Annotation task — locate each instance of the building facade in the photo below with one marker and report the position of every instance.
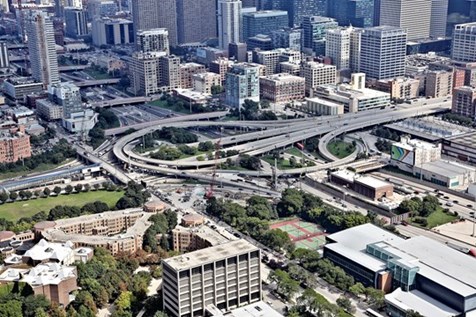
(414, 16)
(314, 30)
(229, 22)
(145, 73)
(263, 22)
(383, 50)
(76, 24)
(287, 38)
(464, 41)
(226, 276)
(14, 145)
(107, 31)
(358, 13)
(439, 83)
(242, 82)
(282, 87)
(42, 47)
(298, 9)
(464, 102)
(203, 82)
(338, 47)
(196, 20)
(153, 40)
(316, 74)
(439, 15)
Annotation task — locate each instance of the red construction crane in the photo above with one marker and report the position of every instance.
(209, 193)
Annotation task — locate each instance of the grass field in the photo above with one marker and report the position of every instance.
(340, 149)
(19, 209)
(282, 163)
(294, 151)
(438, 218)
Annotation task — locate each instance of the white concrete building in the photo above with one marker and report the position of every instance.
(317, 74)
(338, 46)
(414, 16)
(229, 22)
(464, 43)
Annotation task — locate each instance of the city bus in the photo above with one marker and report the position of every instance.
(372, 313)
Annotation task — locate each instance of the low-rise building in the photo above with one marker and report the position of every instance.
(45, 251)
(17, 88)
(14, 144)
(203, 82)
(461, 147)
(317, 74)
(401, 88)
(282, 87)
(109, 31)
(439, 83)
(464, 102)
(55, 281)
(80, 121)
(367, 186)
(116, 231)
(433, 276)
(322, 107)
(187, 71)
(355, 96)
(49, 110)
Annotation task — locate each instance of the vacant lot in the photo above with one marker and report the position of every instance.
(19, 209)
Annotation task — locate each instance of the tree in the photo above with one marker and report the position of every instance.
(160, 314)
(28, 194)
(96, 186)
(124, 300)
(11, 308)
(87, 187)
(292, 161)
(32, 303)
(4, 196)
(412, 313)
(78, 188)
(375, 297)
(345, 304)
(171, 218)
(291, 203)
(164, 242)
(13, 195)
(47, 192)
(68, 189)
(22, 194)
(285, 285)
(357, 289)
(57, 190)
(217, 89)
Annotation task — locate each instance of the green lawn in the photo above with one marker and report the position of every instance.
(340, 149)
(19, 209)
(294, 151)
(281, 163)
(96, 74)
(164, 105)
(438, 218)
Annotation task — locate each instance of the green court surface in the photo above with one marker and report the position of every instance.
(304, 234)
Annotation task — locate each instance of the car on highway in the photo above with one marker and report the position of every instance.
(455, 201)
(449, 204)
(469, 206)
(471, 213)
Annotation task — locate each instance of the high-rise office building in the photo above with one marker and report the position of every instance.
(358, 13)
(153, 40)
(226, 276)
(76, 25)
(464, 43)
(314, 33)
(229, 26)
(59, 8)
(439, 15)
(170, 71)
(414, 16)
(338, 47)
(317, 74)
(107, 31)
(383, 50)
(242, 82)
(263, 22)
(154, 14)
(298, 9)
(4, 6)
(58, 30)
(101, 8)
(4, 59)
(287, 38)
(355, 49)
(42, 47)
(196, 20)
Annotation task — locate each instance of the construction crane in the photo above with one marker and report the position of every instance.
(209, 193)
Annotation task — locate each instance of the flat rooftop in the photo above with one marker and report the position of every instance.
(212, 254)
(372, 182)
(468, 140)
(204, 232)
(258, 309)
(418, 301)
(345, 174)
(96, 217)
(325, 102)
(447, 168)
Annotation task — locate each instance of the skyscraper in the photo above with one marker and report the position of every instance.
(41, 45)
(4, 59)
(464, 43)
(359, 13)
(263, 22)
(439, 14)
(298, 9)
(196, 20)
(153, 14)
(154, 40)
(412, 15)
(314, 33)
(76, 25)
(383, 50)
(229, 25)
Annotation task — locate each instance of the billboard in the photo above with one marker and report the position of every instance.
(403, 155)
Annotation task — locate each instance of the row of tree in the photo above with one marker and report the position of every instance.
(251, 111)
(107, 119)
(386, 133)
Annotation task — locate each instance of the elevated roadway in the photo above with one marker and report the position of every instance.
(97, 82)
(123, 150)
(121, 101)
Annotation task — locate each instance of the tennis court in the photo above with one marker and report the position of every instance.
(304, 234)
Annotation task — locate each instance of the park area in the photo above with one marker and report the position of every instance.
(27, 208)
(303, 234)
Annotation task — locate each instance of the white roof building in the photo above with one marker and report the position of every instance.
(45, 251)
